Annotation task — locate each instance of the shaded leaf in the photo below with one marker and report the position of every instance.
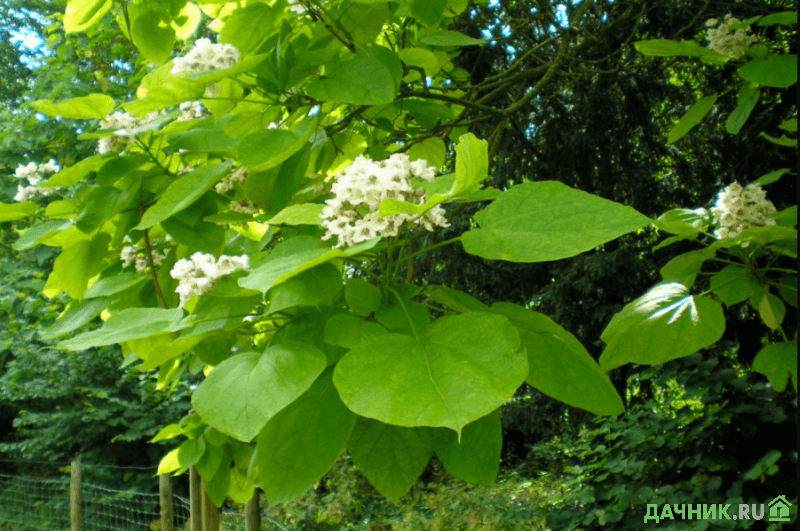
(302, 442)
(559, 365)
(245, 391)
(390, 457)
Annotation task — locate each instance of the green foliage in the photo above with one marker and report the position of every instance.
(679, 446)
(299, 354)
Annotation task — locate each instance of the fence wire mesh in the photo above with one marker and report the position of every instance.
(31, 503)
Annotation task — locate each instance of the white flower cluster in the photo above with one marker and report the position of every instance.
(726, 42)
(192, 110)
(352, 215)
(205, 55)
(126, 126)
(244, 206)
(738, 209)
(197, 275)
(239, 176)
(34, 174)
(296, 7)
(130, 254)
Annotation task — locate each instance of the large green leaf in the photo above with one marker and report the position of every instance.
(102, 203)
(348, 331)
(362, 23)
(15, 211)
(268, 148)
(431, 150)
(72, 175)
(190, 451)
(83, 14)
(131, 323)
(778, 362)
(734, 284)
(77, 314)
(206, 237)
(84, 107)
(547, 220)
(361, 297)
(365, 81)
(111, 285)
(41, 231)
(773, 71)
(75, 266)
(437, 37)
(153, 36)
(770, 308)
(746, 101)
(429, 12)
(163, 90)
(302, 442)
(663, 324)
(209, 139)
(182, 193)
(390, 457)
(477, 458)
(558, 365)
(685, 267)
(422, 58)
(463, 368)
(248, 26)
(243, 392)
(117, 168)
(320, 285)
(293, 257)
(693, 116)
(455, 300)
(667, 48)
(211, 460)
(305, 214)
(788, 18)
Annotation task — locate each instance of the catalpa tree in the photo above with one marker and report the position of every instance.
(254, 214)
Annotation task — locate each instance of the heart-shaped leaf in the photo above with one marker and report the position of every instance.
(463, 368)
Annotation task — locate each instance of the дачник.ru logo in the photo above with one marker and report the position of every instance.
(778, 511)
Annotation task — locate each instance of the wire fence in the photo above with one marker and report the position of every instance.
(40, 503)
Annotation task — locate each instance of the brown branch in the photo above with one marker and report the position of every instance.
(560, 59)
(455, 101)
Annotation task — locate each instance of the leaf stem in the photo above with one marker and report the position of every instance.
(430, 248)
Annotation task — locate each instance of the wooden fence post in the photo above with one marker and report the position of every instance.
(165, 498)
(75, 516)
(252, 514)
(195, 500)
(210, 512)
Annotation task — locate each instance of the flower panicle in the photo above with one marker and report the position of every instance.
(352, 215)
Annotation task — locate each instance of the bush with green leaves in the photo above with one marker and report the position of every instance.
(683, 445)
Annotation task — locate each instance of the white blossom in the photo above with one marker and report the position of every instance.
(244, 207)
(126, 126)
(296, 7)
(738, 209)
(34, 174)
(239, 176)
(196, 275)
(192, 110)
(130, 255)
(352, 215)
(726, 42)
(206, 55)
